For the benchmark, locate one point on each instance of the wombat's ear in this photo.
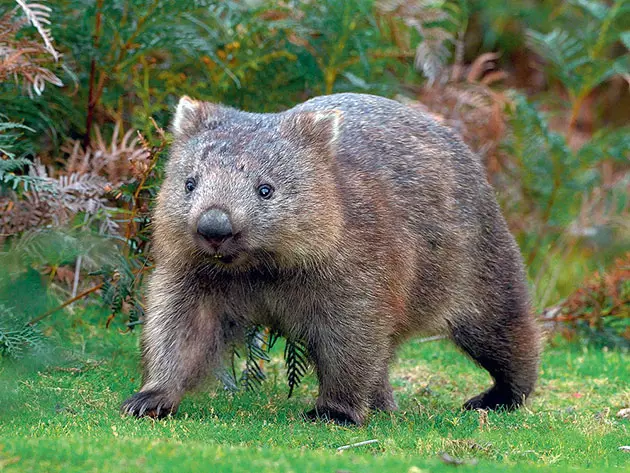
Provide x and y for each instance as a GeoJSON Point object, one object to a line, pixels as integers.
{"type": "Point", "coordinates": [187, 116]}
{"type": "Point", "coordinates": [319, 129]}
{"type": "Point", "coordinates": [191, 115]}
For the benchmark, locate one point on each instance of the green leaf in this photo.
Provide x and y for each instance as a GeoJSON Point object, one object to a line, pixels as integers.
{"type": "Point", "coordinates": [597, 10]}
{"type": "Point", "coordinates": [564, 53]}
{"type": "Point", "coordinates": [296, 358]}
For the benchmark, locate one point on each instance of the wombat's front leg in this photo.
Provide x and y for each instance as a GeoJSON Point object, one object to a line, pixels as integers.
{"type": "Point", "coordinates": [383, 395]}
{"type": "Point", "coordinates": [181, 340]}
{"type": "Point", "coordinates": [349, 360]}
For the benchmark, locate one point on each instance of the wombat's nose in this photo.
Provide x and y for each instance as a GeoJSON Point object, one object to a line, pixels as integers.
{"type": "Point", "coordinates": [215, 226]}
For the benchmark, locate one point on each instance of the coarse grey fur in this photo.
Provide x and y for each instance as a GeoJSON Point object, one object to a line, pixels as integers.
{"type": "Point", "coordinates": [382, 225]}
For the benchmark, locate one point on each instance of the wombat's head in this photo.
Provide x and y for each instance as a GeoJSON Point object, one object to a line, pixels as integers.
{"type": "Point", "coordinates": [248, 189]}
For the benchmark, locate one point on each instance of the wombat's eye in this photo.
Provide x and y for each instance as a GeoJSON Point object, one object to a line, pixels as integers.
{"type": "Point", "coordinates": [190, 184]}
{"type": "Point", "coordinates": [265, 191]}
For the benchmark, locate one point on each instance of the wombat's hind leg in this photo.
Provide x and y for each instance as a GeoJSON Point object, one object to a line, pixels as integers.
{"type": "Point", "coordinates": [509, 349]}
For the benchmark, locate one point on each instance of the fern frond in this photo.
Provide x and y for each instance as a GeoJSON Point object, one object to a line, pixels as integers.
{"type": "Point", "coordinates": [118, 281]}
{"type": "Point", "coordinates": [119, 160]}
{"type": "Point", "coordinates": [584, 59]}
{"type": "Point", "coordinates": [606, 144]}
{"type": "Point", "coordinates": [23, 58]}
{"type": "Point", "coordinates": [17, 337]}
{"type": "Point", "coordinates": [297, 361]}
{"type": "Point", "coordinates": [597, 10]}
{"type": "Point", "coordinates": [255, 345]}
{"type": "Point", "coordinates": [9, 135]}
{"type": "Point", "coordinates": [435, 23]}
{"type": "Point", "coordinates": [564, 52]}
{"type": "Point", "coordinates": [39, 16]}
{"type": "Point", "coordinates": [433, 52]}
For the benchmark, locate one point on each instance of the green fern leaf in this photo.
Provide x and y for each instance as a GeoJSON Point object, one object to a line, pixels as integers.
{"type": "Point", "coordinates": [17, 337]}
{"type": "Point", "coordinates": [296, 359]}
{"type": "Point", "coordinates": [255, 345]}
{"type": "Point", "coordinates": [597, 10]}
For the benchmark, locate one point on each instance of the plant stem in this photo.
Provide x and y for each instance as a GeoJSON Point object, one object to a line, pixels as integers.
{"type": "Point", "coordinates": [575, 112]}
{"type": "Point", "coordinates": [65, 304]}
{"type": "Point", "coordinates": [80, 296]}
{"type": "Point", "coordinates": [92, 97]}
{"type": "Point", "coordinates": [136, 195]}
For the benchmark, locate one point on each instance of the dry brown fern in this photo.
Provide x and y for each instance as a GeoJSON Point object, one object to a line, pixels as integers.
{"type": "Point", "coordinates": [55, 201]}
{"type": "Point", "coordinates": [81, 186]}
{"type": "Point", "coordinates": [427, 19]}
{"type": "Point", "coordinates": [122, 159]}
{"type": "Point", "coordinates": [24, 60]}
{"type": "Point", "coordinates": [468, 104]}
{"type": "Point", "coordinates": [38, 14]}
{"type": "Point", "coordinates": [603, 298]}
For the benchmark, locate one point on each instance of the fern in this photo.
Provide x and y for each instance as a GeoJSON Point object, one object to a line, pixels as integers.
{"type": "Point", "coordinates": [297, 361]}
{"type": "Point", "coordinates": [258, 343]}
{"type": "Point", "coordinates": [9, 135]}
{"type": "Point", "coordinates": [606, 144]}
{"type": "Point", "coordinates": [580, 58]}
{"type": "Point", "coordinates": [17, 337]}
{"type": "Point", "coordinates": [256, 353]}
{"type": "Point", "coordinates": [119, 290]}
{"type": "Point", "coordinates": [549, 170]}
{"type": "Point", "coordinates": [564, 52]}
{"type": "Point", "coordinates": [437, 24]}
{"type": "Point", "coordinates": [14, 170]}
{"type": "Point", "coordinates": [10, 177]}
{"type": "Point", "coordinates": [39, 16]}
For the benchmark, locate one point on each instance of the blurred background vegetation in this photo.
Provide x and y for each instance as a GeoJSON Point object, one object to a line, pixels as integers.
{"type": "Point", "coordinates": [538, 88]}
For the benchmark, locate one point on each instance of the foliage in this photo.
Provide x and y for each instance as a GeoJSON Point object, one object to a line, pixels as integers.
{"type": "Point", "coordinates": [17, 336]}
{"type": "Point", "coordinates": [580, 58]}
{"type": "Point", "coordinates": [257, 353]}
{"type": "Point", "coordinates": [296, 358]}
{"type": "Point", "coordinates": [9, 134]}
{"type": "Point", "coordinates": [438, 26]}
{"type": "Point", "coordinates": [86, 90]}
{"type": "Point", "coordinates": [600, 308]}
{"type": "Point", "coordinates": [27, 59]}
{"type": "Point", "coordinates": [258, 344]}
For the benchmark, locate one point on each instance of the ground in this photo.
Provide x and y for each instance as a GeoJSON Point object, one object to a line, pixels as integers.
{"type": "Point", "coordinates": [63, 416]}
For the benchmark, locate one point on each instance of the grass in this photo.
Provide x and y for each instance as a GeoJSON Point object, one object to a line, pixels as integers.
{"type": "Point", "coordinates": [63, 416]}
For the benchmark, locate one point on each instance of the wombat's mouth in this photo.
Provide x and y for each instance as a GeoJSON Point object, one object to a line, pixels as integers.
{"type": "Point", "coordinates": [223, 259]}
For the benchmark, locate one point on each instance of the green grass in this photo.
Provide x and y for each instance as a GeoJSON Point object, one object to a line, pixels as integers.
{"type": "Point", "coordinates": [64, 417]}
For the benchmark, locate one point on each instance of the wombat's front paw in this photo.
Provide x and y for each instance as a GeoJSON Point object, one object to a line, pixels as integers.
{"type": "Point", "coordinates": [494, 399]}
{"type": "Point", "coordinates": [149, 403]}
{"type": "Point", "coordinates": [330, 415]}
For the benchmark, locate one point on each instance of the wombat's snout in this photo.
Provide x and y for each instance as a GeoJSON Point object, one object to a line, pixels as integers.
{"type": "Point", "coordinates": [215, 226]}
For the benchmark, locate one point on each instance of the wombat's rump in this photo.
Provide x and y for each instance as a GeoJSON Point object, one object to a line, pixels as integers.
{"type": "Point", "coordinates": [349, 222]}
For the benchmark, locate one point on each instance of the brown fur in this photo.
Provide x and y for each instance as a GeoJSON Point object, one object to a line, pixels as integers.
{"type": "Point", "coordinates": [382, 226]}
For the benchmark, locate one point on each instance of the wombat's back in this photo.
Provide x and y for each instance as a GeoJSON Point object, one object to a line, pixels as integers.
{"type": "Point", "coordinates": [429, 172]}
{"type": "Point", "coordinates": [416, 194]}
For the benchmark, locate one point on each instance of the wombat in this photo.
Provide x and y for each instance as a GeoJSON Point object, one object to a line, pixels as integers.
{"type": "Point", "coordinates": [349, 222]}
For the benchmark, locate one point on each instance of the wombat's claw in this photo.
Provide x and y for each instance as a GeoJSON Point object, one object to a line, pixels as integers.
{"type": "Point", "coordinates": [493, 399]}
{"type": "Point", "coordinates": [329, 415]}
{"type": "Point", "coordinates": [148, 404]}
